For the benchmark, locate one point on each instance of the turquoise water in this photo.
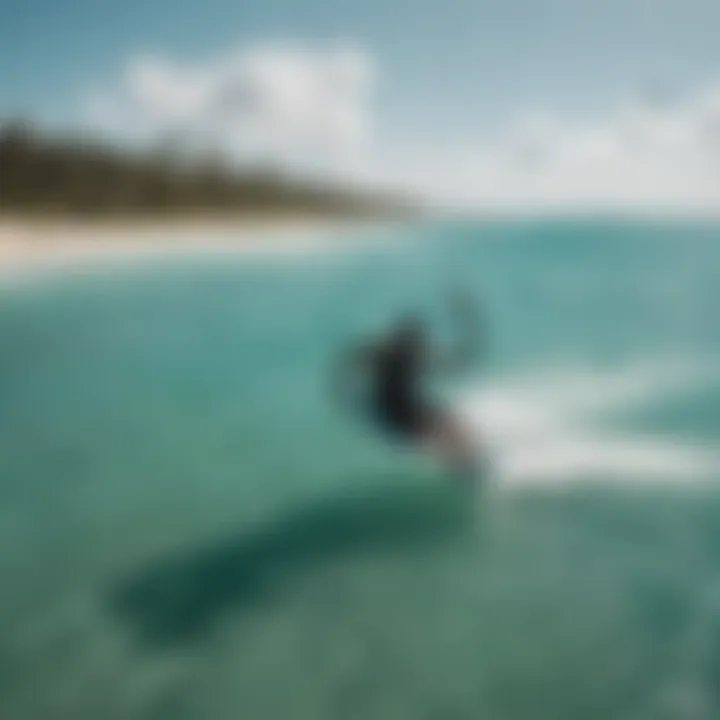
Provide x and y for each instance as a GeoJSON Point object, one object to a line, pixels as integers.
{"type": "Point", "coordinates": [191, 528]}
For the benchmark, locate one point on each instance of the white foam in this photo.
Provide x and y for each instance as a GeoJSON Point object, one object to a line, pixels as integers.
{"type": "Point", "coordinates": [553, 426]}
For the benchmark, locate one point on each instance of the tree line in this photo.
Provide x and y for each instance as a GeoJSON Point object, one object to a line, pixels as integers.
{"type": "Point", "coordinates": [68, 176]}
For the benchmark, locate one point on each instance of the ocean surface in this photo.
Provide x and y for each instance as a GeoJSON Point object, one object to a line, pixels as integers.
{"type": "Point", "coordinates": [192, 527]}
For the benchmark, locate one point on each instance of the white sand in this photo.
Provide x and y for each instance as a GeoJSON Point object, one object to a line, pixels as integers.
{"type": "Point", "coordinates": [31, 247]}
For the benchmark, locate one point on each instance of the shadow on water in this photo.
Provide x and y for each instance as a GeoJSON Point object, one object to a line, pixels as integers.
{"type": "Point", "coordinates": [178, 599]}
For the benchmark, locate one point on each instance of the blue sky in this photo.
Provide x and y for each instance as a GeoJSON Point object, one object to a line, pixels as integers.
{"type": "Point", "coordinates": [447, 74]}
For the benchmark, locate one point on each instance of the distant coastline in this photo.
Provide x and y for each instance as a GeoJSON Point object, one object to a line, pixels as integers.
{"type": "Point", "coordinates": [32, 247]}
{"type": "Point", "coordinates": [48, 176]}
{"type": "Point", "coordinates": [67, 201]}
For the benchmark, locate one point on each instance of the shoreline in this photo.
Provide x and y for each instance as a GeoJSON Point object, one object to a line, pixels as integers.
{"type": "Point", "coordinates": [32, 247]}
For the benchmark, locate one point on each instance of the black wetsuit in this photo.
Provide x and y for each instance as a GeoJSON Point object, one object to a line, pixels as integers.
{"type": "Point", "coordinates": [396, 394]}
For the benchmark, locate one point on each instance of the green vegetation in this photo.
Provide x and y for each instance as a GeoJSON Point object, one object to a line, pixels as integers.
{"type": "Point", "coordinates": [42, 175]}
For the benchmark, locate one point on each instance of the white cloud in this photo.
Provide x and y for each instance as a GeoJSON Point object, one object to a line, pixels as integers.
{"type": "Point", "coordinates": [641, 156]}
{"type": "Point", "coordinates": [286, 104]}
{"type": "Point", "coordinates": [311, 109]}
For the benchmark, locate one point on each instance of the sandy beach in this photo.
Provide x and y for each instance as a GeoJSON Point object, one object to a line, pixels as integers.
{"type": "Point", "coordinates": [29, 247]}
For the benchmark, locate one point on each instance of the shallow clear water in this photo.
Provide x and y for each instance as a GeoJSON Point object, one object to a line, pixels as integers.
{"type": "Point", "coordinates": [190, 527]}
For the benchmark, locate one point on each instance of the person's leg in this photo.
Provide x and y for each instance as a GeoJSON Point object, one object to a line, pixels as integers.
{"type": "Point", "coordinates": [446, 435]}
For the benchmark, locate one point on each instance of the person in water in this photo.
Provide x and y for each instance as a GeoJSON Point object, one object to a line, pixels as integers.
{"type": "Point", "coordinates": [394, 367]}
